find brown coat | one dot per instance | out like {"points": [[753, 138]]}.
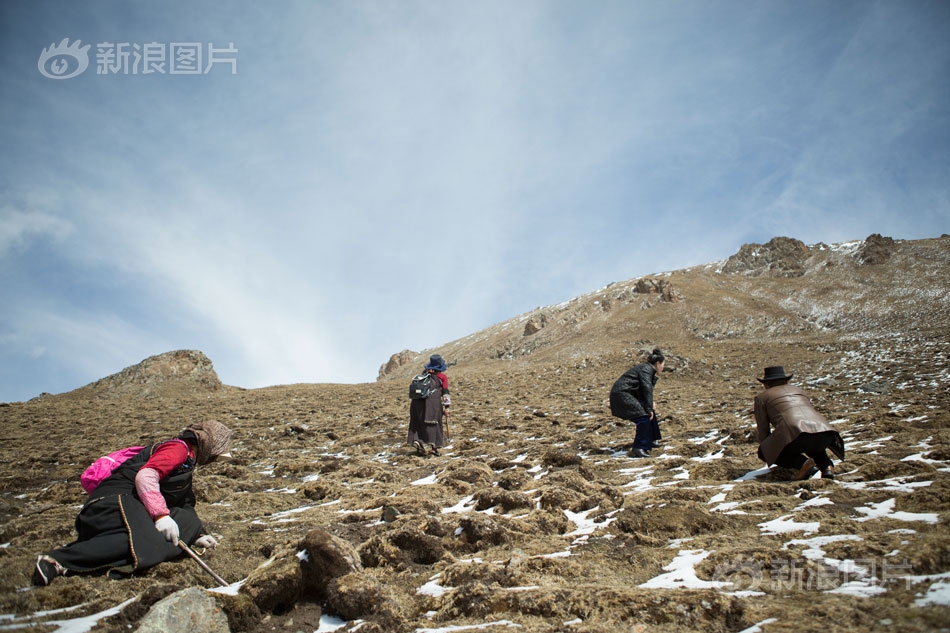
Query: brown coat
{"points": [[788, 410]]}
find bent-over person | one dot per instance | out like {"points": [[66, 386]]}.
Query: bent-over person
{"points": [[791, 432], [133, 519]]}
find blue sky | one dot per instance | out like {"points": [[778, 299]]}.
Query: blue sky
{"points": [[376, 176]]}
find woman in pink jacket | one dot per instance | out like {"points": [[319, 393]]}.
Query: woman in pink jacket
{"points": [[135, 518]]}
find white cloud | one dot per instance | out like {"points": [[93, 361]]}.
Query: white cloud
{"points": [[19, 228], [522, 154]]}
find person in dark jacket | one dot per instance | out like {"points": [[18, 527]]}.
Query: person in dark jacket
{"points": [[425, 414], [791, 432], [631, 398], [134, 519]]}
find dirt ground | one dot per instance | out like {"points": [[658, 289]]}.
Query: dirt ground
{"points": [[534, 516]]}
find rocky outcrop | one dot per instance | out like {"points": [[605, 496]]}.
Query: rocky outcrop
{"points": [[187, 370], [876, 250], [779, 257], [396, 362], [660, 287]]}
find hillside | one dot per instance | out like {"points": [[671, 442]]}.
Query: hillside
{"points": [[534, 518]]}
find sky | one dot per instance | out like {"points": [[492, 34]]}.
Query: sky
{"points": [[334, 182]]}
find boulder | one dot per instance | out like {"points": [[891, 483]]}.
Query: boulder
{"points": [[190, 610]]}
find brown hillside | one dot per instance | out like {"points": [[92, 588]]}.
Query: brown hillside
{"points": [[535, 518]]}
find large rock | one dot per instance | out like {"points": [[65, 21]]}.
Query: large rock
{"points": [[182, 370], [779, 257], [187, 611], [395, 363], [875, 250]]}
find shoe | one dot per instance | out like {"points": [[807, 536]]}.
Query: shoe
{"points": [[638, 452], [807, 471], [420, 449], [433, 450], [46, 570], [828, 473], [657, 445]]}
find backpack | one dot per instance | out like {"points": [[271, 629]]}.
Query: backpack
{"points": [[421, 386], [102, 468]]}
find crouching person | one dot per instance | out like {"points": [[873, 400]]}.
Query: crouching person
{"points": [[135, 518], [791, 432]]}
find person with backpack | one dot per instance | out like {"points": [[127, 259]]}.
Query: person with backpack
{"points": [[134, 519], [791, 432], [430, 399], [631, 398]]}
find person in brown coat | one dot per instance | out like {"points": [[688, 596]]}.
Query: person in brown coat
{"points": [[791, 432]]}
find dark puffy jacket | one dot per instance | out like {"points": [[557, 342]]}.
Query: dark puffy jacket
{"points": [[631, 397]]}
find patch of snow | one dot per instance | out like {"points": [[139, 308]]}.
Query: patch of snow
{"points": [[75, 625], [469, 627], [757, 627], [786, 524], [885, 510], [465, 505], [681, 573], [709, 456]]}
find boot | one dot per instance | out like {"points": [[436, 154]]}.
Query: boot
{"points": [[638, 452], [46, 570], [807, 471], [828, 473]]}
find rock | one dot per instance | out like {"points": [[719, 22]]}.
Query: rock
{"points": [[875, 250], [663, 287], [395, 363], [190, 370], [875, 386], [531, 327], [780, 257], [190, 610], [389, 514]]}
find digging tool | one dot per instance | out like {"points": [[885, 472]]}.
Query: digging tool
{"points": [[445, 419], [204, 565]]}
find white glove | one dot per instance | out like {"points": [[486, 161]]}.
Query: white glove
{"points": [[169, 529], [206, 541]]}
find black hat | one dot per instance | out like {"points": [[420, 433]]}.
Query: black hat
{"points": [[775, 373]]}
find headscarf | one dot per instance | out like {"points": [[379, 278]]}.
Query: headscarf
{"points": [[213, 440]]}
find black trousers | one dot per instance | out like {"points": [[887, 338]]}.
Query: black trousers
{"points": [[813, 445]]}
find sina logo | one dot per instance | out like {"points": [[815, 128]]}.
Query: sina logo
{"points": [[59, 61]]}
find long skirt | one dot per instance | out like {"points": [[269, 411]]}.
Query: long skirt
{"points": [[117, 533], [425, 422]]}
